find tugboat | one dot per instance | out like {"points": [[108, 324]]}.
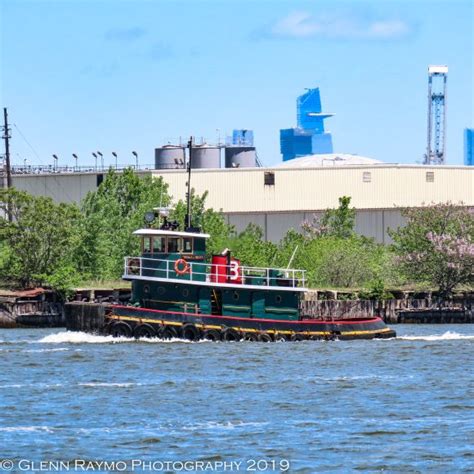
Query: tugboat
{"points": [[178, 292]]}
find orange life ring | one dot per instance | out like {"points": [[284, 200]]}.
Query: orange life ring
{"points": [[181, 266]]}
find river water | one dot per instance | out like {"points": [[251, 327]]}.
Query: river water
{"points": [[400, 405]]}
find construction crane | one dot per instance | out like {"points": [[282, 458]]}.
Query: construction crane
{"points": [[437, 95]]}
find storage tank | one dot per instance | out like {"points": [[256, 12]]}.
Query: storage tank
{"points": [[206, 156], [240, 157], [169, 157]]}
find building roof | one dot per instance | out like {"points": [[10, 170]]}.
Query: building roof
{"points": [[330, 159]]}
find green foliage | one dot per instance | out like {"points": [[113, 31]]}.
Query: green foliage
{"points": [[342, 263], [63, 279], [38, 240], [60, 245], [111, 214], [251, 249], [210, 221], [375, 291], [436, 247], [338, 222]]}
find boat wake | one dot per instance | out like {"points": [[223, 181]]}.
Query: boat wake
{"points": [[73, 337], [447, 336]]}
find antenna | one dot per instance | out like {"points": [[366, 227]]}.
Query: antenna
{"points": [[188, 194]]}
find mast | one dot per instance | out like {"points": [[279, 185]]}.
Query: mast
{"points": [[6, 136], [187, 219]]}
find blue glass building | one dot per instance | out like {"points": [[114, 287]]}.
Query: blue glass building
{"points": [[309, 137], [469, 146]]}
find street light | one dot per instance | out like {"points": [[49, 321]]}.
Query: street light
{"points": [[55, 162], [101, 160], [115, 154], [135, 154], [95, 159], [75, 157]]}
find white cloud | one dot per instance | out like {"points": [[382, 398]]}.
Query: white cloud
{"points": [[301, 24]]}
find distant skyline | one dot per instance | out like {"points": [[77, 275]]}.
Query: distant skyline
{"points": [[82, 76]]}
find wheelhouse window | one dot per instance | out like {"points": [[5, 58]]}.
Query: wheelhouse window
{"points": [[173, 245], [146, 245], [187, 245], [159, 244]]}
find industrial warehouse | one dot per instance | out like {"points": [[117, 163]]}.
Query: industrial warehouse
{"points": [[282, 197]]}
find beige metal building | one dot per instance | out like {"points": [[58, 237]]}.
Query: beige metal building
{"points": [[283, 197]]}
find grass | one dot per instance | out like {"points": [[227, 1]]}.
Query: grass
{"points": [[103, 284]]}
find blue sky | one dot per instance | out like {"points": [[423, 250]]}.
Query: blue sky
{"points": [[120, 76]]}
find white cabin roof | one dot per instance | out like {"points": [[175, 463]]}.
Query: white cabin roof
{"points": [[172, 233]]}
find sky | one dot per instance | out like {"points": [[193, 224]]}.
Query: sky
{"points": [[110, 75]]}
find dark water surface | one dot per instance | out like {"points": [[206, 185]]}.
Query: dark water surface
{"points": [[400, 405]]}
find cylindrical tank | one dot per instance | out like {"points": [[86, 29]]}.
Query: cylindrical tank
{"points": [[240, 157], [169, 157], [206, 156]]}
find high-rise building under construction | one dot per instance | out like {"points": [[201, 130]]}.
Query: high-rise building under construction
{"points": [[309, 137]]}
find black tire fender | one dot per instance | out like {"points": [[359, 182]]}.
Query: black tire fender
{"points": [[298, 337], [144, 330], [121, 329], [168, 332], [212, 335], [230, 334], [190, 332], [265, 337]]}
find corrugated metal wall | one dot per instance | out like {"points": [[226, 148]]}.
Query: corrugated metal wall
{"points": [[375, 187], [377, 192]]}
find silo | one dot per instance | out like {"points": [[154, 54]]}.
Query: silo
{"points": [[206, 156], [240, 157], [169, 157]]}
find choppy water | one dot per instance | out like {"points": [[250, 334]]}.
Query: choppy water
{"points": [[404, 405]]}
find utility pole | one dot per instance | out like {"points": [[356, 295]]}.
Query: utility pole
{"points": [[6, 137], [188, 195]]}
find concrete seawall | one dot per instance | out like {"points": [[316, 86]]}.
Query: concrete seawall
{"points": [[395, 311]]}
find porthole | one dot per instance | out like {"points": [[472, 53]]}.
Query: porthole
{"points": [[146, 289], [278, 298], [185, 292], [235, 296], [161, 290]]}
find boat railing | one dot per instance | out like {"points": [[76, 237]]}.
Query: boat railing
{"points": [[211, 272]]}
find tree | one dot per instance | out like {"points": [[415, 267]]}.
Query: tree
{"points": [[210, 221], [250, 247], [338, 222], [111, 214], [436, 246], [40, 239]]}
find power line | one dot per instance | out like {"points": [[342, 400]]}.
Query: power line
{"points": [[27, 142]]}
